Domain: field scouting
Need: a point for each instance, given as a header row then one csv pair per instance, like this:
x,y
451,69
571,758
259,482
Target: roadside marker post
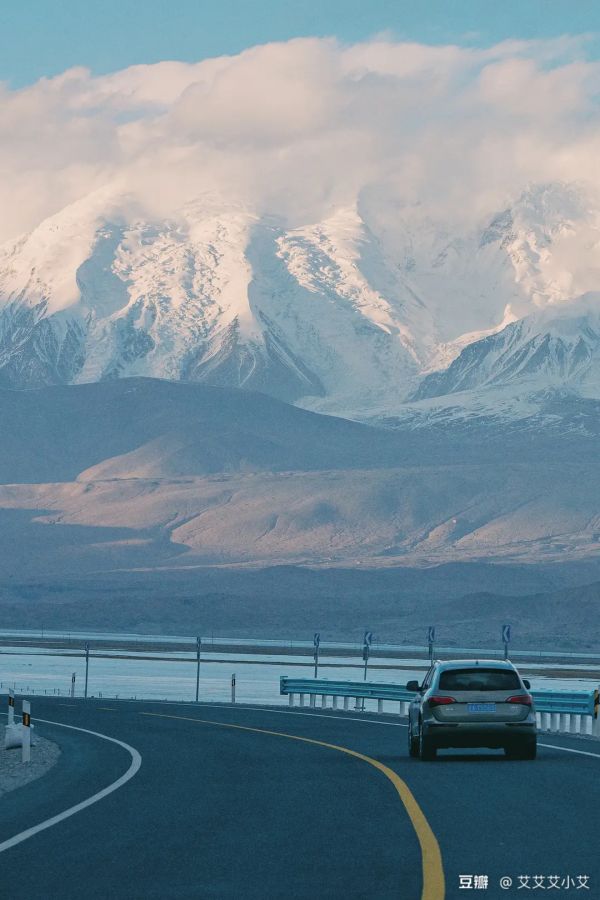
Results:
x,y
233,688
11,706
26,727
87,667
73,676
506,639
198,649
316,642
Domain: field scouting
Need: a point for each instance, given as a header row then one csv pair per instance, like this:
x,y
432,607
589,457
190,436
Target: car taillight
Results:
x,y
441,701
525,700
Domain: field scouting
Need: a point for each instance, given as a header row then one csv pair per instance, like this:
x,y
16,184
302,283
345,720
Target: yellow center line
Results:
x,y
433,870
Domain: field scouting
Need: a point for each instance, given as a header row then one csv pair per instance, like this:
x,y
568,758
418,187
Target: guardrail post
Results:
x,y
334,701
357,706
346,702
546,722
301,699
323,700
313,699
380,706
291,700
26,736
575,724
554,722
595,727
564,723
11,706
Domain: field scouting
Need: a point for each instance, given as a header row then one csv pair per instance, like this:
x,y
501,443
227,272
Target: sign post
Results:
x,y
73,684
26,728
506,639
367,651
11,706
431,640
87,667
233,688
316,641
198,648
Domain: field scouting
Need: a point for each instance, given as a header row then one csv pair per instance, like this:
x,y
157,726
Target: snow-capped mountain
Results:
x,y
556,348
352,315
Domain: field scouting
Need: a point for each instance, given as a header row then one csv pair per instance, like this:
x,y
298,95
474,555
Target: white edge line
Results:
x,y
570,750
288,712
136,762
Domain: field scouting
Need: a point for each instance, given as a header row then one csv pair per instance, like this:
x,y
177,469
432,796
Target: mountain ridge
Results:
x,y
347,316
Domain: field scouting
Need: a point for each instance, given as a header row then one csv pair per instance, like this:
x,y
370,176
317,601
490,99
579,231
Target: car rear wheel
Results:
x,y
427,749
523,750
413,742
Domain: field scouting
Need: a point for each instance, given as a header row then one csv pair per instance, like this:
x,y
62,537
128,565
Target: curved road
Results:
x,y
248,802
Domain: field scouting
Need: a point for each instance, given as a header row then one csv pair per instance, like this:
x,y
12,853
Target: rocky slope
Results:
x,y
351,315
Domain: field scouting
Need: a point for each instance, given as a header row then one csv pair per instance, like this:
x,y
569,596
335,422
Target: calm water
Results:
x,y
257,677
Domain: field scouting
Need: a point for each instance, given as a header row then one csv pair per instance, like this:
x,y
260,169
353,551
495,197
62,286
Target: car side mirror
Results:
x,y
413,686
527,684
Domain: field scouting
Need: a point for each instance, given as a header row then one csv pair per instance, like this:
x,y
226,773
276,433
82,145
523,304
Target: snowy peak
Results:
x,y
554,348
216,294
349,315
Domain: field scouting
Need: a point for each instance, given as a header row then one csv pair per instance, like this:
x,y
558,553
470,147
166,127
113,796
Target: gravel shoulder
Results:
x,y
15,774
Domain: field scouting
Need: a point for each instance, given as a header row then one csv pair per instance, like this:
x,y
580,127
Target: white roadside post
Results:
x,y
26,739
11,706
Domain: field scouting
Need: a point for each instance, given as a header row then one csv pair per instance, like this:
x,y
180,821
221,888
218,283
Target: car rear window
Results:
x,y
479,680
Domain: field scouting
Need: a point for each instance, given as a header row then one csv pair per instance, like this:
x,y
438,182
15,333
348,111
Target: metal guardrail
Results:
x,y
362,689
581,703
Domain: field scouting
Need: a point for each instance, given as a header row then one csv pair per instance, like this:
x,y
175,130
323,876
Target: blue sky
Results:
x,y
44,37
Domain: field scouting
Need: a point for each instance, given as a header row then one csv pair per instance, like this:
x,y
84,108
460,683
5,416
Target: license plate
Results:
x,y
481,707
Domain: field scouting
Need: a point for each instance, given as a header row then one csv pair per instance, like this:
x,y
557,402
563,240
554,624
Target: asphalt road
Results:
x,y
217,811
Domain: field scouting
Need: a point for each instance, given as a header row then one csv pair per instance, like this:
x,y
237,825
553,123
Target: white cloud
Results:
x,y
296,128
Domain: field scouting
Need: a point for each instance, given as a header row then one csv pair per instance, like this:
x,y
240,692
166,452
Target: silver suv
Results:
x,y
467,703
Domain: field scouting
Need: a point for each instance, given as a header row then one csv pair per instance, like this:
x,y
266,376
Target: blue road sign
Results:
x,y
368,638
431,634
506,634
317,638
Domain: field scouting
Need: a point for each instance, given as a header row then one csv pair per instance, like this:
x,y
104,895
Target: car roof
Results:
x,y
475,664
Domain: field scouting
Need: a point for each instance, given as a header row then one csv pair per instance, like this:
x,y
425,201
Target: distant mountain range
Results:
x,y
351,315
150,474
